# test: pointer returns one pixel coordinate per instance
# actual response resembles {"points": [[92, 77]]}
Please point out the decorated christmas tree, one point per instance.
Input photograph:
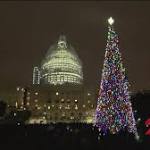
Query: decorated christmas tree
{"points": [[114, 110]]}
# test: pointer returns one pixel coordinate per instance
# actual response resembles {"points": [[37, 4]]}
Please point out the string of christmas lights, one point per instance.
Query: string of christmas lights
{"points": [[114, 109]]}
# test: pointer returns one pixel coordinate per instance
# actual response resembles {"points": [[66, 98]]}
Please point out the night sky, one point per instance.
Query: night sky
{"points": [[27, 29]]}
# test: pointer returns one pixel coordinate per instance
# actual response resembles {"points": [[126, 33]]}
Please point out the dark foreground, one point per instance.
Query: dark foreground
{"points": [[64, 137]]}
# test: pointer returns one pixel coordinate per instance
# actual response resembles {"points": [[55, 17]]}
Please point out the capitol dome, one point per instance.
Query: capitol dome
{"points": [[61, 64]]}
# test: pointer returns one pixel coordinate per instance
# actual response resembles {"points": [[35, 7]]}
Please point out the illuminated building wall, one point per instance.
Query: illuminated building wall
{"points": [[61, 65], [36, 75], [67, 104]]}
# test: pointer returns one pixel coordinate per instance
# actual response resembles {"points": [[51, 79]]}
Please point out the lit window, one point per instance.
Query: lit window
{"points": [[28, 98], [88, 94], [18, 88], [28, 103], [36, 93], [62, 100], [35, 100], [76, 107], [39, 108], [71, 117], [62, 78], [89, 101], [65, 78], [57, 93], [44, 113], [16, 104], [67, 107], [49, 107], [76, 100], [83, 106], [60, 106]]}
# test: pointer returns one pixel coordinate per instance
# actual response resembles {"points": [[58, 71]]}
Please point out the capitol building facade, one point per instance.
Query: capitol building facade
{"points": [[61, 65], [58, 93]]}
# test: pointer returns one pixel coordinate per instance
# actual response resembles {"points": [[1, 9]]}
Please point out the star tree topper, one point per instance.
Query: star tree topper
{"points": [[111, 20]]}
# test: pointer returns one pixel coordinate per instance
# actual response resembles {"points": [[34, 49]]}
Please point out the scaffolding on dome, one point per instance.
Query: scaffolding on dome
{"points": [[61, 64]]}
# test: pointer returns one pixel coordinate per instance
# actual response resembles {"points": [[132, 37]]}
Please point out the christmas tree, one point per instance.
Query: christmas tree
{"points": [[114, 110]]}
